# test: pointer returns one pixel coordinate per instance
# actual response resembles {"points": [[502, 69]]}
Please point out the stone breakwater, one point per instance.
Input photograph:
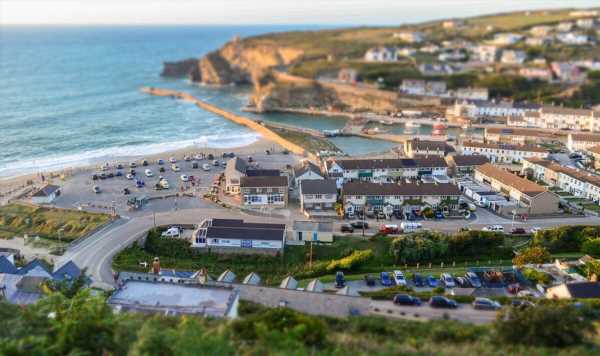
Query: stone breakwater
{"points": [[238, 119]]}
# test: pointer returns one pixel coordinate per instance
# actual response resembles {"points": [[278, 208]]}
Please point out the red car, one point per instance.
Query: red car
{"points": [[389, 229]]}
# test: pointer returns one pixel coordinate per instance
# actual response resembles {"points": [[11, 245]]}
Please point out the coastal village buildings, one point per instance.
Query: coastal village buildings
{"points": [[423, 87], [536, 73], [417, 147], [313, 231], [306, 171], [264, 191], [582, 141], [507, 39], [381, 54], [519, 136], [398, 197], [46, 195], [238, 236], [561, 118], [574, 290], [410, 36], [525, 196], [318, 197], [568, 73], [464, 165], [234, 171], [503, 153], [385, 170], [486, 53], [594, 152], [437, 69], [478, 109], [513, 57], [579, 183]]}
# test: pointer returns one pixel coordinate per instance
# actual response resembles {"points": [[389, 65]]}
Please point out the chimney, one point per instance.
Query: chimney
{"points": [[156, 266]]}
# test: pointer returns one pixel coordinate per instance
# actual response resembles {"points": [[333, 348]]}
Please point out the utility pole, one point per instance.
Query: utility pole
{"points": [[363, 219], [311, 256]]}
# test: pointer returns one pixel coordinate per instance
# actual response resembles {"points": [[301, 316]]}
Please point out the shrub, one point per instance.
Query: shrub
{"points": [[591, 247], [352, 261], [554, 326], [535, 255], [536, 276]]}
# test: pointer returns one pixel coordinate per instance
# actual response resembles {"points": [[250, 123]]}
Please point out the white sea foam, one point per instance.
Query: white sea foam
{"points": [[58, 162]]}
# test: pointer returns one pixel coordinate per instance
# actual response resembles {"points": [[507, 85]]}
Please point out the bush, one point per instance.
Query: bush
{"points": [[554, 326], [591, 247], [564, 238], [532, 255], [350, 262], [536, 276]]}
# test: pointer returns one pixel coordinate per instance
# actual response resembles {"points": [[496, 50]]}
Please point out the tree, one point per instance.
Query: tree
{"points": [[532, 255], [591, 247], [544, 325]]}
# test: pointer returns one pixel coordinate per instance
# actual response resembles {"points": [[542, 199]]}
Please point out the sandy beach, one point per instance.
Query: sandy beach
{"points": [[11, 186]]}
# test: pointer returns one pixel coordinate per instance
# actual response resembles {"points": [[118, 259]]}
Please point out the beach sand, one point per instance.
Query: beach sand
{"points": [[12, 186]]}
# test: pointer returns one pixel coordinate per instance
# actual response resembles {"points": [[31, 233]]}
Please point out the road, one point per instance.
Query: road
{"points": [[464, 313]]}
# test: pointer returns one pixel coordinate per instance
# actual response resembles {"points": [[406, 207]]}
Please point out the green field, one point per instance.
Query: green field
{"points": [[48, 223]]}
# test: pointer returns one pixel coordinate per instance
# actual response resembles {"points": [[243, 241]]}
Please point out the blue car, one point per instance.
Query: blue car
{"points": [[340, 281], [432, 282], [418, 280], [139, 183], [385, 279], [439, 215]]}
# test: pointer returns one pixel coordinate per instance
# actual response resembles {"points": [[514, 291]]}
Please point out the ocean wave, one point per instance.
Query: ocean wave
{"points": [[92, 157]]}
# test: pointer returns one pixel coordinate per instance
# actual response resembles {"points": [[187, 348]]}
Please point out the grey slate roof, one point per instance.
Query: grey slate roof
{"points": [[236, 164], [470, 160], [584, 289], [254, 172], [67, 271], [408, 189], [420, 162], [34, 264], [6, 266], [318, 186], [263, 182], [240, 230], [305, 167], [46, 191]]}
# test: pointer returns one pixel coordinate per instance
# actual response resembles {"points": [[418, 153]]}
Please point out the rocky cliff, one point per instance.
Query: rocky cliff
{"points": [[237, 62]]}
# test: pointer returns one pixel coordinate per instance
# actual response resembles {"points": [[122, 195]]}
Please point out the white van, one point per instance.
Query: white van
{"points": [[408, 226], [497, 228], [206, 167]]}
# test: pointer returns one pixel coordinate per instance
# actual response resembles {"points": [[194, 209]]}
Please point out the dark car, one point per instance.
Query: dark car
{"points": [[405, 299], [144, 163], [523, 304], [385, 279], [195, 165], [111, 175], [126, 191], [486, 304], [360, 224], [102, 176], [398, 214], [119, 174], [161, 169], [438, 301], [340, 281], [518, 231], [95, 177], [439, 215], [370, 280], [418, 280], [119, 166], [132, 172], [346, 228]]}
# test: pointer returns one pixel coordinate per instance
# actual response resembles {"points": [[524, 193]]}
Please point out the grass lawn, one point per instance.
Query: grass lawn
{"points": [[592, 207], [18, 219], [308, 142]]}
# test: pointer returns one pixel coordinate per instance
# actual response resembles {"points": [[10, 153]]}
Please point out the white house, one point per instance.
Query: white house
{"points": [[486, 53], [410, 36], [46, 195], [582, 141], [507, 39], [571, 38], [513, 57], [423, 87], [264, 191], [239, 236], [318, 196], [556, 117], [306, 171], [381, 54], [234, 171], [503, 153]]}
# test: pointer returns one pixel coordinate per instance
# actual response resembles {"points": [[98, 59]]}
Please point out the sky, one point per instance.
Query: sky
{"points": [[323, 12]]}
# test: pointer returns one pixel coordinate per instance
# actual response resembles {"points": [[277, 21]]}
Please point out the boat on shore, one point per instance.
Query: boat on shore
{"points": [[412, 124]]}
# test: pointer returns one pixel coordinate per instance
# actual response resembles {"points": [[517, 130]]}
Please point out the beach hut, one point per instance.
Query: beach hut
{"points": [[289, 283], [252, 279], [315, 286], [226, 277]]}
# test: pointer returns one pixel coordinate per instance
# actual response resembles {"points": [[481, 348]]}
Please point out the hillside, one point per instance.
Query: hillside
{"points": [[320, 55]]}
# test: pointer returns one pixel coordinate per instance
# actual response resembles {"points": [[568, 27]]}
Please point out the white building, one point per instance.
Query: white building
{"points": [[381, 54], [476, 109], [582, 141], [536, 73], [472, 94], [313, 231], [586, 24], [564, 26], [513, 57], [239, 236], [423, 87], [507, 39], [318, 196], [410, 36], [486, 53], [306, 171], [558, 118], [264, 191], [568, 72], [541, 30], [386, 170], [571, 38], [46, 195], [503, 153]]}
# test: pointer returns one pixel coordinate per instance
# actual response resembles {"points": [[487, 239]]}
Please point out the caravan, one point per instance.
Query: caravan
{"points": [[408, 227]]}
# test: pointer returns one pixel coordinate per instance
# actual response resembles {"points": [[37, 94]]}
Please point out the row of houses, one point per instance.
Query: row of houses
{"points": [[579, 183], [561, 118], [439, 89], [503, 153]]}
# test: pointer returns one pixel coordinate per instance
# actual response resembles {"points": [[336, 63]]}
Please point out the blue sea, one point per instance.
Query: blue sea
{"points": [[69, 96]]}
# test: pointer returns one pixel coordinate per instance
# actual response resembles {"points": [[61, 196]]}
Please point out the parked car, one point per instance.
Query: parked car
{"points": [[148, 173], [495, 228], [160, 162], [206, 167], [473, 279], [431, 281], [126, 191], [369, 280], [175, 168], [144, 163], [518, 231], [381, 215], [172, 160], [462, 282], [119, 174], [110, 175], [438, 301], [534, 230], [520, 303], [119, 166], [132, 164], [486, 304], [161, 169], [132, 172], [184, 178], [94, 177], [215, 163], [408, 227], [399, 278], [96, 189], [418, 280], [405, 299], [187, 158], [139, 183], [171, 232], [340, 281], [439, 215], [346, 228], [102, 175], [195, 165], [164, 184], [385, 279], [447, 280], [360, 224], [129, 176], [389, 229]]}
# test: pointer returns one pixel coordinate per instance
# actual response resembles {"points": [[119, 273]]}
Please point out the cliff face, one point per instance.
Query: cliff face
{"points": [[235, 63]]}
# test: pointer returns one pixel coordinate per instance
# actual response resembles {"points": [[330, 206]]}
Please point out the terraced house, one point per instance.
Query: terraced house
{"points": [[385, 170], [408, 196], [264, 191], [503, 153], [555, 117], [579, 183]]}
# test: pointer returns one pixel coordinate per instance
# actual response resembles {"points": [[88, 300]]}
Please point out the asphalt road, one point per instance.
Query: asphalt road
{"points": [[464, 312]]}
